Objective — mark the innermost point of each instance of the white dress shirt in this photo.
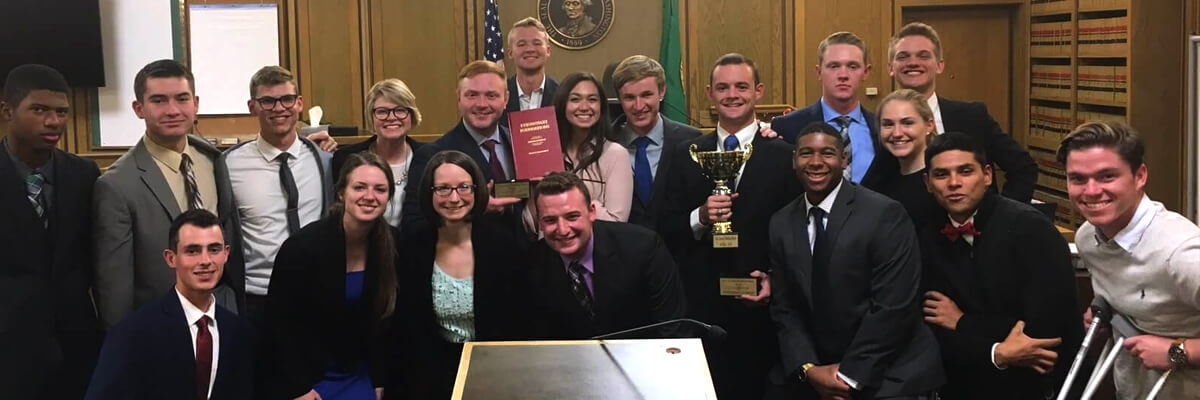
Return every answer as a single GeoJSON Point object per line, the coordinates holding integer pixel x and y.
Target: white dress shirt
{"type": "Point", "coordinates": [192, 314]}
{"type": "Point", "coordinates": [396, 205]}
{"type": "Point", "coordinates": [262, 203]}
{"type": "Point", "coordinates": [533, 99]}
{"type": "Point", "coordinates": [937, 113]}
{"type": "Point", "coordinates": [827, 206]}
{"type": "Point", "coordinates": [744, 136]}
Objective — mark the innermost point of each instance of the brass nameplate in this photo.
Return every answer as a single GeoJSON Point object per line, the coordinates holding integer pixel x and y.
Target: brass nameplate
{"type": "Point", "coordinates": [518, 189]}
{"type": "Point", "coordinates": [725, 240]}
{"type": "Point", "coordinates": [739, 286]}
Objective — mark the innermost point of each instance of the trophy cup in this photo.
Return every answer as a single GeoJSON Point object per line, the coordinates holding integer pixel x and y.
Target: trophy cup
{"type": "Point", "coordinates": [722, 167]}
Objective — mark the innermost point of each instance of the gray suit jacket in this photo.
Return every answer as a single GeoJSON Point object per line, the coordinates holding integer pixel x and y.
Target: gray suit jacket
{"type": "Point", "coordinates": [133, 209]}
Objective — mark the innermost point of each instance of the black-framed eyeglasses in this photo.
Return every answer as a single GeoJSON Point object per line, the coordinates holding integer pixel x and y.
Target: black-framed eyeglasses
{"type": "Point", "coordinates": [268, 102]}
{"type": "Point", "coordinates": [463, 190]}
{"type": "Point", "coordinates": [383, 114]}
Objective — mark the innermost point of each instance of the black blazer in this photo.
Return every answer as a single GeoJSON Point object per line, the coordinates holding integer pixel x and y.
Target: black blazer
{"type": "Point", "coordinates": [972, 118]}
{"type": "Point", "coordinates": [308, 324]}
{"type": "Point", "coordinates": [883, 168]}
{"type": "Point", "coordinates": [149, 355]}
{"type": "Point", "coordinates": [1019, 268]}
{"type": "Point", "coordinates": [339, 156]}
{"type": "Point", "coordinates": [635, 283]}
{"type": "Point", "coordinates": [873, 326]}
{"type": "Point", "coordinates": [461, 140]}
{"type": "Point", "coordinates": [499, 305]}
{"type": "Point", "coordinates": [514, 97]}
{"type": "Point", "coordinates": [674, 133]}
{"type": "Point", "coordinates": [49, 333]}
{"type": "Point", "coordinates": [765, 185]}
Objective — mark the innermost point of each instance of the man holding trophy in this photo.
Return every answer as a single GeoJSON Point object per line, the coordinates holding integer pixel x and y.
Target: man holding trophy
{"type": "Point", "coordinates": [734, 177]}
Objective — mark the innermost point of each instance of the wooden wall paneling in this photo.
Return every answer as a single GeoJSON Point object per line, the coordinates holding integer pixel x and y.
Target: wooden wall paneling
{"type": "Point", "coordinates": [330, 67]}
{"type": "Point", "coordinates": [427, 56]}
{"type": "Point", "coordinates": [755, 28]}
{"type": "Point", "coordinates": [1156, 98]}
{"type": "Point", "coordinates": [871, 20]}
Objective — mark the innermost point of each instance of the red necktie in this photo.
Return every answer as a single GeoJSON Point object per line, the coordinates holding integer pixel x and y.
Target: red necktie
{"type": "Point", "coordinates": [953, 232]}
{"type": "Point", "coordinates": [204, 350]}
{"type": "Point", "coordinates": [498, 174]}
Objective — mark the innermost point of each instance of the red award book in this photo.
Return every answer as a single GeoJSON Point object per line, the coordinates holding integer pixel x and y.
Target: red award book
{"type": "Point", "coordinates": [537, 149]}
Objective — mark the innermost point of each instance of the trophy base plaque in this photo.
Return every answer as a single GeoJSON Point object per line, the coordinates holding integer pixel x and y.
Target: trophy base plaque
{"type": "Point", "coordinates": [518, 189]}
{"type": "Point", "coordinates": [725, 240]}
{"type": "Point", "coordinates": [739, 286]}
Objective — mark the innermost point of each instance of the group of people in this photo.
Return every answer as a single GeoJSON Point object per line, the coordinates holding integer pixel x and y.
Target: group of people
{"type": "Point", "coordinates": [887, 261]}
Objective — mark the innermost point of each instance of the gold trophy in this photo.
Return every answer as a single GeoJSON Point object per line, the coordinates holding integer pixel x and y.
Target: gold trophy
{"type": "Point", "coordinates": [723, 167]}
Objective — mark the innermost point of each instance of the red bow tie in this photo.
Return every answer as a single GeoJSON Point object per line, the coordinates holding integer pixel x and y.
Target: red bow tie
{"type": "Point", "coordinates": [953, 232]}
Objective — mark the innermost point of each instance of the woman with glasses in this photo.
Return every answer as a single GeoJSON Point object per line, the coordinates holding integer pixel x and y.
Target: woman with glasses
{"type": "Point", "coordinates": [329, 311]}
{"type": "Point", "coordinates": [905, 128]}
{"type": "Point", "coordinates": [392, 110]}
{"type": "Point", "coordinates": [459, 277]}
{"type": "Point", "coordinates": [583, 128]}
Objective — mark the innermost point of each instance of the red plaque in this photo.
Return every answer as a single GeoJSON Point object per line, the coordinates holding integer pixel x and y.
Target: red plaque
{"type": "Point", "coordinates": [537, 149]}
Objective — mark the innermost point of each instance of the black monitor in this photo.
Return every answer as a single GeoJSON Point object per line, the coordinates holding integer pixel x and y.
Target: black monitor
{"type": "Point", "coordinates": [63, 34]}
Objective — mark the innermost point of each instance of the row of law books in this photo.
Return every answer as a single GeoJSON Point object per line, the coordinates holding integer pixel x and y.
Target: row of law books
{"type": "Point", "coordinates": [1103, 4]}
{"type": "Point", "coordinates": [1103, 83]}
{"type": "Point", "coordinates": [1051, 38]}
{"type": "Point", "coordinates": [1104, 35]}
{"type": "Point", "coordinates": [1051, 174]}
{"type": "Point", "coordinates": [1050, 81]}
{"type": "Point", "coordinates": [1084, 116]}
{"type": "Point", "coordinates": [1050, 6]}
{"type": "Point", "coordinates": [1064, 213]}
{"type": "Point", "coordinates": [1049, 124]}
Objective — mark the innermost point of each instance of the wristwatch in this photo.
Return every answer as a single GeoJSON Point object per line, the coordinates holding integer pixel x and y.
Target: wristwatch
{"type": "Point", "coordinates": [804, 371]}
{"type": "Point", "coordinates": [1177, 354]}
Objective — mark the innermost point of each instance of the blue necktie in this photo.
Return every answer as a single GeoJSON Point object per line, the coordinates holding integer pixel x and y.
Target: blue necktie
{"type": "Point", "coordinates": [33, 191]}
{"type": "Point", "coordinates": [642, 179]}
{"type": "Point", "coordinates": [731, 143]}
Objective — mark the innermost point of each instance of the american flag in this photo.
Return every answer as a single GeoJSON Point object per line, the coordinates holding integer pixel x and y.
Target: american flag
{"type": "Point", "coordinates": [493, 49]}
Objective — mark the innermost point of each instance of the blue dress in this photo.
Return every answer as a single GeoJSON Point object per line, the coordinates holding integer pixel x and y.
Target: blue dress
{"type": "Point", "coordinates": [355, 383]}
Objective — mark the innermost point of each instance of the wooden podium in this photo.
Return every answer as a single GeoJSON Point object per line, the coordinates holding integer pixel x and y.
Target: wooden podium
{"type": "Point", "coordinates": [585, 369]}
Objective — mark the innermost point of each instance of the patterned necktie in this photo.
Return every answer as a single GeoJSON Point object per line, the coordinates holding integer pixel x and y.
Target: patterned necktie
{"type": "Point", "coordinates": [290, 192]}
{"type": "Point", "coordinates": [498, 174]}
{"type": "Point", "coordinates": [731, 143]}
{"type": "Point", "coordinates": [204, 356]}
{"type": "Point", "coordinates": [33, 190]}
{"type": "Point", "coordinates": [642, 178]}
{"type": "Point", "coordinates": [579, 287]}
{"type": "Point", "coordinates": [844, 129]}
{"type": "Point", "coordinates": [190, 189]}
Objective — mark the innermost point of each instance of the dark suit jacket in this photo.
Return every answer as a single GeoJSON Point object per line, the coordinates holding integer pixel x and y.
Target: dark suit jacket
{"type": "Point", "coordinates": [514, 97]}
{"type": "Point", "coordinates": [873, 323]}
{"type": "Point", "coordinates": [49, 334]}
{"type": "Point", "coordinates": [339, 156]}
{"type": "Point", "coordinates": [134, 208]}
{"type": "Point", "coordinates": [635, 284]}
{"type": "Point", "coordinates": [456, 139]}
{"type": "Point", "coordinates": [309, 325]}
{"type": "Point", "coordinates": [674, 133]}
{"type": "Point", "coordinates": [499, 305]}
{"type": "Point", "coordinates": [1020, 171]}
{"type": "Point", "coordinates": [883, 168]}
{"type": "Point", "coordinates": [1019, 268]}
{"type": "Point", "coordinates": [149, 355]}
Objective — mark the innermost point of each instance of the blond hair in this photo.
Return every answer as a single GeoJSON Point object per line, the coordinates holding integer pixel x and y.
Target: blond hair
{"type": "Point", "coordinates": [917, 29]}
{"type": "Point", "coordinates": [636, 68]}
{"type": "Point", "coordinates": [907, 95]}
{"type": "Point", "coordinates": [395, 91]}
{"type": "Point", "coordinates": [841, 38]}
{"type": "Point", "coordinates": [481, 67]}
{"type": "Point", "coordinates": [527, 22]}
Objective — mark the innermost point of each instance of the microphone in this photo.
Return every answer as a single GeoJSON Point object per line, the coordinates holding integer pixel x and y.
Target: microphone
{"type": "Point", "coordinates": [712, 332]}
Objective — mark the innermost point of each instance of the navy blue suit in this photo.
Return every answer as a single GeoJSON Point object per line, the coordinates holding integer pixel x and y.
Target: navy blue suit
{"type": "Point", "coordinates": [883, 168]}
{"type": "Point", "coordinates": [149, 355]}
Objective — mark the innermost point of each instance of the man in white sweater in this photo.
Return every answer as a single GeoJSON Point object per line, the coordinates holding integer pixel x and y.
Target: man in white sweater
{"type": "Point", "coordinates": [1144, 259]}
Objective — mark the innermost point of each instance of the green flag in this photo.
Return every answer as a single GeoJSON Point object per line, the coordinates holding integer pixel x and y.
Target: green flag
{"type": "Point", "coordinates": [670, 55]}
